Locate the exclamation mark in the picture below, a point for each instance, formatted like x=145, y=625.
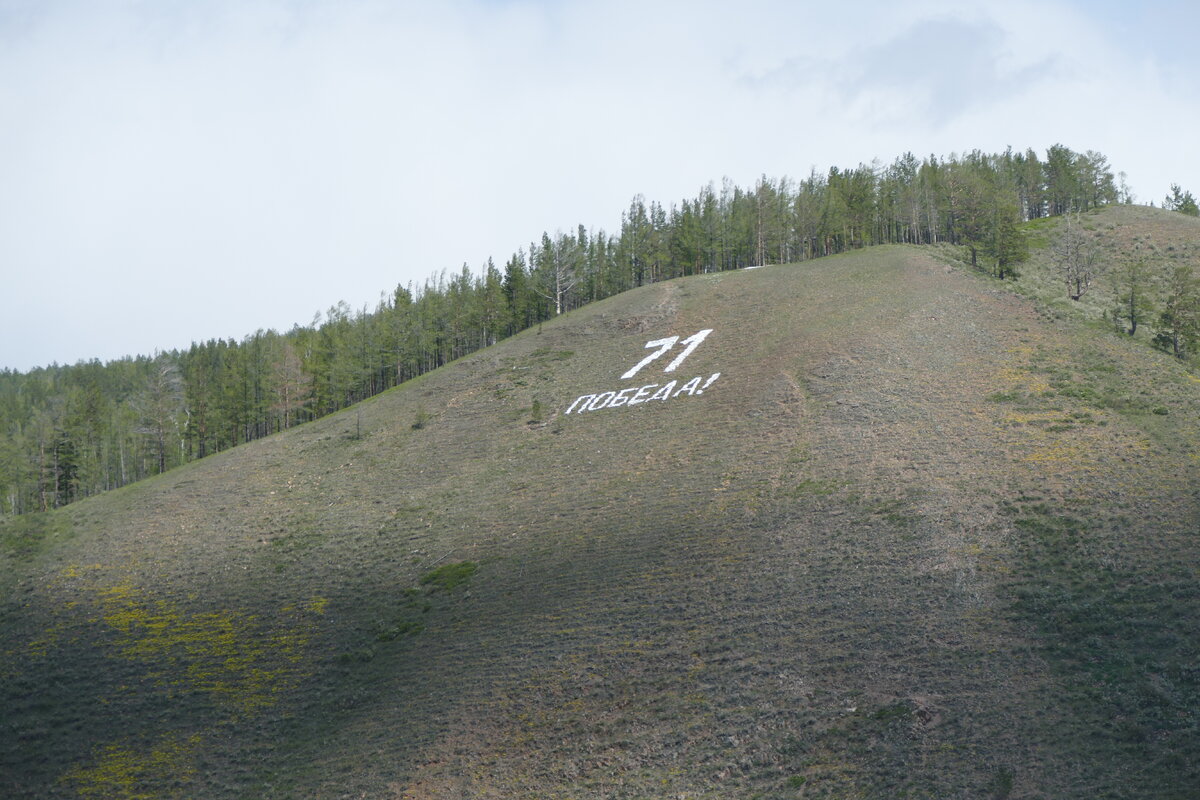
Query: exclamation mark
x=708, y=382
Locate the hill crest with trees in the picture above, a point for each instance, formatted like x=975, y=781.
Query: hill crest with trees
x=68, y=432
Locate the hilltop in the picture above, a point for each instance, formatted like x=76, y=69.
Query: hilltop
x=921, y=536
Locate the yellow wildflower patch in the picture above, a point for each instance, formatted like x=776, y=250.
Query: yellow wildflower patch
x=1062, y=453
x=120, y=772
x=230, y=654
x=1014, y=378
x=244, y=661
x=317, y=605
x=40, y=647
x=1030, y=417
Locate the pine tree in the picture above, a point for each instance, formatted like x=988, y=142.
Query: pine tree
x=1005, y=243
x=1132, y=290
x=1181, y=201
x=292, y=386
x=1178, y=330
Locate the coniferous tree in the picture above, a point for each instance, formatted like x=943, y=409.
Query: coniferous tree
x=636, y=241
x=522, y=313
x=808, y=212
x=493, y=310
x=1178, y=330
x=1131, y=284
x=1028, y=175
x=1005, y=243
x=1062, y=180
x=972, y=197
x=1181, y=201
x=292, y=386
x=1097, y=187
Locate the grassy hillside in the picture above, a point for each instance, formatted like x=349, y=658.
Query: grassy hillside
x=1162, y=238
x=920, y=538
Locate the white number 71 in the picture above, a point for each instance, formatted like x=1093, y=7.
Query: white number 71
x=664, y=345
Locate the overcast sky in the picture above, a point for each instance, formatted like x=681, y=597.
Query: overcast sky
x=179, y=170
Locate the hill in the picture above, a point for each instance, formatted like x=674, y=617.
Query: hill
x=920, y=537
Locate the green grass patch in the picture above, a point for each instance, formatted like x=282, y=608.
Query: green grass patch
x=297, y=541
x=1120, y=640
x=548, y=354
x=27, y=535
x=449, y=576
x=897, y=712
x=399, y=629
x=1076, y=391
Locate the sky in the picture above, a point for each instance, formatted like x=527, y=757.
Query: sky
x=175, y=171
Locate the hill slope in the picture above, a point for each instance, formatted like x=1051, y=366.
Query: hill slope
x=917, y=537
x=1163, y=239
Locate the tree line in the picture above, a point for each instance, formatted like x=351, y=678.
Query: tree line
x=68, y=432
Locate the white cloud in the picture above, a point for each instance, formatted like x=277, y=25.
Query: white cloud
x=179, y=171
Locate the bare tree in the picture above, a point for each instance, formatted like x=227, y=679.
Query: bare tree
x=556, y=265
x=159, y=405
x=1077, y=257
